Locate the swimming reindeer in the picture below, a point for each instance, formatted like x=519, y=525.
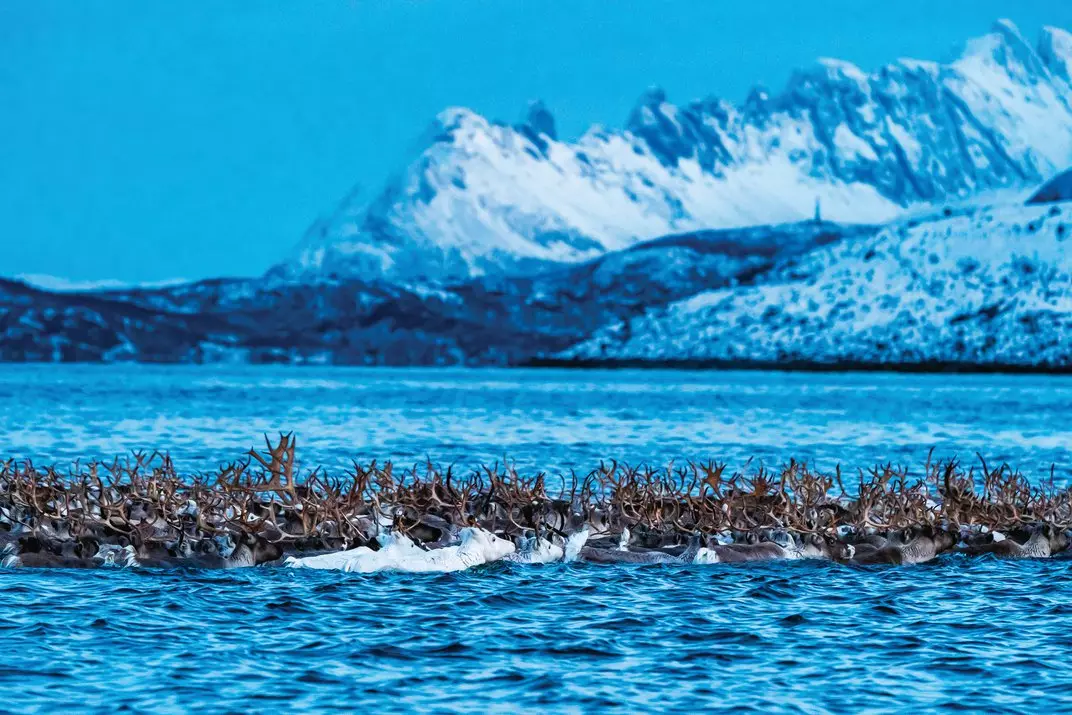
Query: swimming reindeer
x=260, y=511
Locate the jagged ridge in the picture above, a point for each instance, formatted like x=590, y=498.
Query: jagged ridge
x=487, y=198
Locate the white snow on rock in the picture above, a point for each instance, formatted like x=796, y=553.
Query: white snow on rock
x=58, y=284
x=1055, y=49
x=486, y=198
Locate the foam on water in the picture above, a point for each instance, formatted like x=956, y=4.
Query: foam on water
x=537, y=550
x=399, y=553
x=574, y=544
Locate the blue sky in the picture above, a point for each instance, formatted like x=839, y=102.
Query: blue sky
x=145, y=141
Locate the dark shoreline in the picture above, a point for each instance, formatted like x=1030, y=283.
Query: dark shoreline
x=936, y=367
x=929, y=367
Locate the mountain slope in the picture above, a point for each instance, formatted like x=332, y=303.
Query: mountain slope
x=485, y=198
x=970, y=287
x=1057, y=189
x=502, y=321
x=983, y=286
x=42, y=326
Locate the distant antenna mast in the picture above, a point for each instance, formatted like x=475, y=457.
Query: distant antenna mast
x=818, y=212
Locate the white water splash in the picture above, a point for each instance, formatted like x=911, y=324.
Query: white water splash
x=400, y=554
x=574, y=544
x=535, y=550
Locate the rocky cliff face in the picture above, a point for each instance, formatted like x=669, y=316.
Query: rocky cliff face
x=486, y=198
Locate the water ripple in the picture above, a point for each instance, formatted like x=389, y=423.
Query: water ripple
x=547, y=419
x=958, y=634
x=769, y=637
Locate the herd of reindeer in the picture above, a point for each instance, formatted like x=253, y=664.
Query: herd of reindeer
x=262, y=511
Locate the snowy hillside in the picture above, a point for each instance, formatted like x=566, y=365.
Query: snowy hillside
x=485, y=198
x=501, y=321
x=972, y=287
x=985, y=286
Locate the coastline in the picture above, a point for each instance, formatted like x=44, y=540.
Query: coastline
x=922, y=367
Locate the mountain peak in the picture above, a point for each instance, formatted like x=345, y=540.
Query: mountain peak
x=1012, y=39
x=653, y=96
x=1055, y=49
x=1006, y=27
x=1005, y=47
x=539, y=118
x=452, y=122
x=838, y=69
x=487, y=198
x=654, y=120
x=757, y=103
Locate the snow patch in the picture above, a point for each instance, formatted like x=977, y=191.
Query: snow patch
x=57, y=284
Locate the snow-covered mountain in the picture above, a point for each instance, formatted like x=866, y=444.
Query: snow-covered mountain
x=967, y=287
x=688, y=236
x=485, y=198
x=502, y=320
x=986, y=286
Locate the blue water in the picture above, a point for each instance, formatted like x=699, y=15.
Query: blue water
x=548, y=419
x=794, y=637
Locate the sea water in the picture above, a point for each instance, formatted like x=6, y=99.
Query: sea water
x=957, y=633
